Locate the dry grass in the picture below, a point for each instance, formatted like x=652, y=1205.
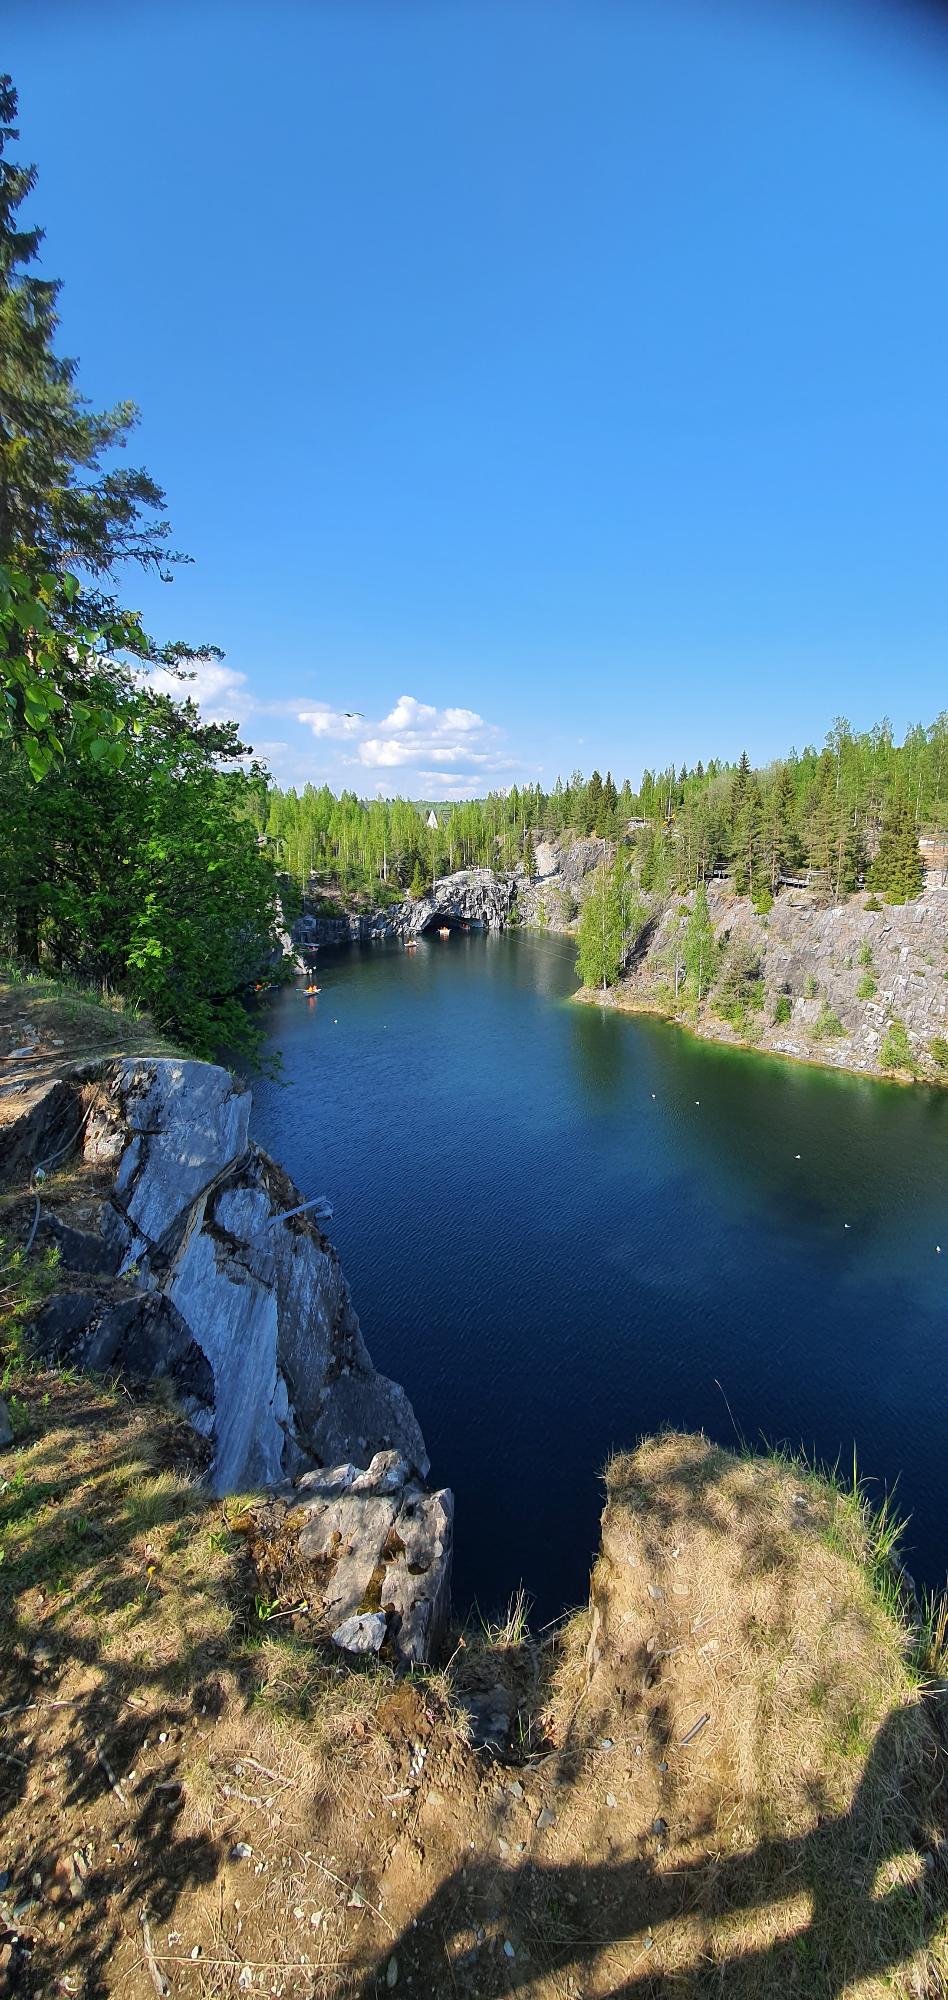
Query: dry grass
x=794, y=1846
x=804, y=1824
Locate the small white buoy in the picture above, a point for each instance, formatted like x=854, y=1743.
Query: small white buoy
x=938, y=1249
x=697, y=1100
x=845, y=1225
x=796, y=1156
x=653, y=1097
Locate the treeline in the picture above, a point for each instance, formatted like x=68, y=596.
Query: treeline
x=129, y=849
x=856, y=806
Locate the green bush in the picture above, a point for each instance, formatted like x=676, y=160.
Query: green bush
x=865, y=952
x=763, y=903
x=896, y=1051
x=828, y=1023
x=866, y=987
x=783, y=1009
x=873, y=903
x=938, y=1050
x=810, y=987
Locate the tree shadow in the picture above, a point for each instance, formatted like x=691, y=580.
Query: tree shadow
x=568, y=1919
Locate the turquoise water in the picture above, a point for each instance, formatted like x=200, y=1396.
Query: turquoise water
x=564, y=1228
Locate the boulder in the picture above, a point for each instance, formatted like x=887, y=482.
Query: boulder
x=372, y=1542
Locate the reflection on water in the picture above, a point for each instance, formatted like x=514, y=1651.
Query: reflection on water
x=562, y=1227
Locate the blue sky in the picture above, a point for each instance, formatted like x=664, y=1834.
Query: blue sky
x=554, y=384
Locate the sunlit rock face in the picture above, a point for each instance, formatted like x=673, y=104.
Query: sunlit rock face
x=198, y=1272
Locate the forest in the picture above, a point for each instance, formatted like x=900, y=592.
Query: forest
x=829, y=815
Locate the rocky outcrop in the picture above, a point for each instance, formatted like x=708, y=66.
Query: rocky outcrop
x=842, y=974
x=552, y=900
x=472, y=896
x=202, y=1274
x=373, y=1554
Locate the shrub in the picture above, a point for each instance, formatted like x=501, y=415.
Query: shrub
x=866, y=987
x=828, y=1023
x=896, y=1051
x=865, y=952
x=873, y=903
x=763, y=903
x=810, y=987
x=783, y=1009
x=938, y=1050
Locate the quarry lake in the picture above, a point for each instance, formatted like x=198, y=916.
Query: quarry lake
x=563, y=1228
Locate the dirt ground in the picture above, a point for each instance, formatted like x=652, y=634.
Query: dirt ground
x=727, y=1781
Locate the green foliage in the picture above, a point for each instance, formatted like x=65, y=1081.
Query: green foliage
x=763, y=902
x=872, y=903
x=611, y=914
x=938, y=1050
x=783, y=1009
x=827, y=1024
x=866, y=987
x=699, y=947
x=896, y=1051
x=897, y=868
x=810, y=987
x=418, y=887
x=865, y=953
x=741, y=989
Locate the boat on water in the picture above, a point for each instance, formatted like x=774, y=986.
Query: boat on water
x=445, y=932
x=310, y=989
x=411, y=944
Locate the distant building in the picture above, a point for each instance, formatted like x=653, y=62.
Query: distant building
x=432, y=820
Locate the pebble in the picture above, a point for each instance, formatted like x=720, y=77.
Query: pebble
x=515, y=1789
x=391, y=1972
x=547, y=1818
x=606, y=1743
x=509, y=1951
x=659, y=1827
x=503, y=1848
x=611, y=1799
x=655, y=1591
x=240, y=1851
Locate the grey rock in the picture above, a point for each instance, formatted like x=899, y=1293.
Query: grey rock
x=363, y=1634
x=80, y=1250
x=250, y=1316
x=488, y=1718
x=143, y=1337
x=378, y=1531
x=47, y=1118
x=6, y=1428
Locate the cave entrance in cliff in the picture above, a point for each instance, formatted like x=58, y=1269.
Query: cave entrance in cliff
x=448, y=920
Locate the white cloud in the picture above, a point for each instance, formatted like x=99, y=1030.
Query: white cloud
x=451, y=748
x=326, y=721
x=408, y=713
x=219, y=691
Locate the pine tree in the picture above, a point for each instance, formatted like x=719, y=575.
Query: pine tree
x=740, y=785
x=897, y=868
x=749, y=871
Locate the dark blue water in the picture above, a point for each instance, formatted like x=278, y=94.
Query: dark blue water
x=554, y=1261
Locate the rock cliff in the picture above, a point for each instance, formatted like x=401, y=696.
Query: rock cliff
x=192, y=1263
x=835, y=977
